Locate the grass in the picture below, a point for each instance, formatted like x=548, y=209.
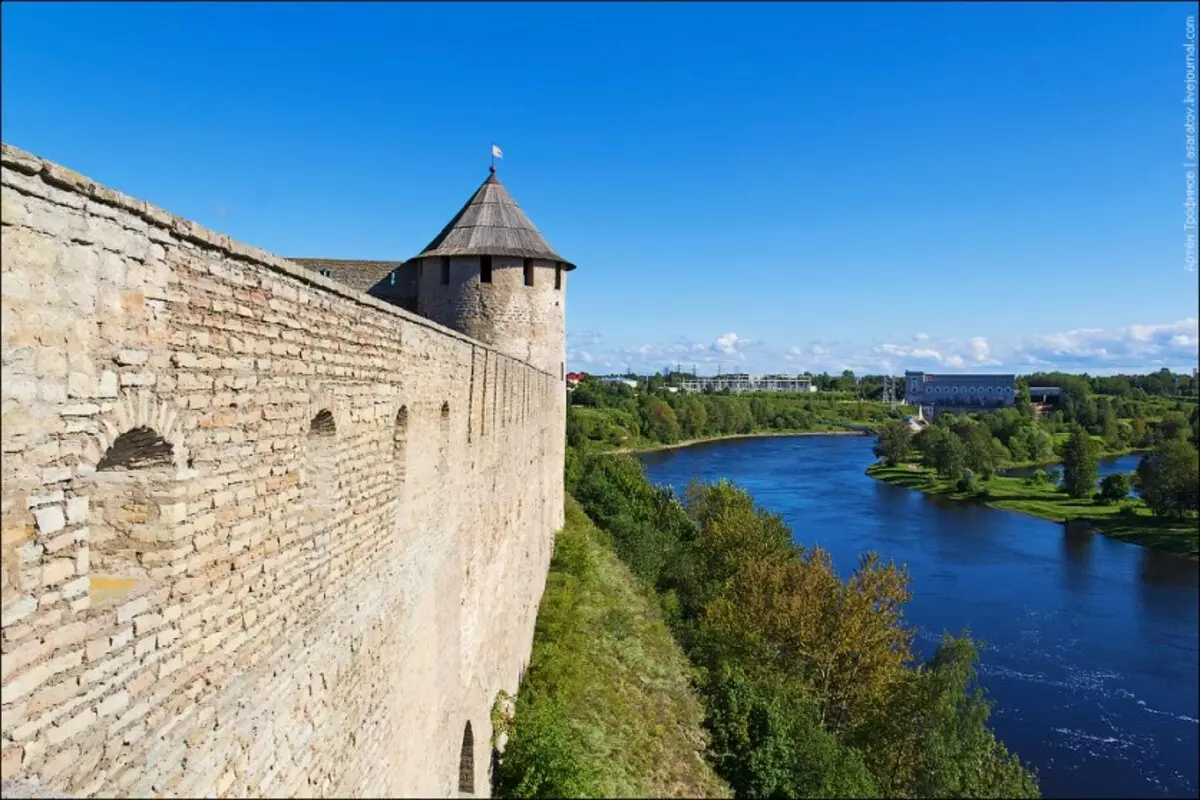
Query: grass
x=619, y=685
x=1130, y=522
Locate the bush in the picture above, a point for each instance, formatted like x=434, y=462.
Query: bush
x=968, y=483
x=545, y=757
x=1038, y=478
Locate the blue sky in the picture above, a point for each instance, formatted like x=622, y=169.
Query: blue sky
x=752, y=186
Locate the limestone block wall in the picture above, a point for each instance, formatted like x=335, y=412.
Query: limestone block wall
x=262, y=535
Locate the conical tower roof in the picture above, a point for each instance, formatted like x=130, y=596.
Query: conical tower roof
x=492, y=224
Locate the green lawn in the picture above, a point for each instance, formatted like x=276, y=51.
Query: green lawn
x=1136, y=525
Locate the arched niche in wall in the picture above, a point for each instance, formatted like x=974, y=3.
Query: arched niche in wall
x=321, y=493
x=132, y=511
x=444, y=438
x=321, y=473
x=466, y=762
x=133, y=501
x=400, y=444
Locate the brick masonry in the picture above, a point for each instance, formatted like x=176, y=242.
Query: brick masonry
x=262, y=535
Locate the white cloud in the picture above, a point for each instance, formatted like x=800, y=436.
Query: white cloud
x=727, y=343
x=1129, y=347
x=1140, y=347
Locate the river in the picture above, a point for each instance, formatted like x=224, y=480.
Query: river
x=1092, y=652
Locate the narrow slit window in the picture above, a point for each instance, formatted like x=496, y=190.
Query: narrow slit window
x=445, y=270
x=392, y=277
x=558, y=276
x=466, y=763
x=529, y=272
x=485, y=269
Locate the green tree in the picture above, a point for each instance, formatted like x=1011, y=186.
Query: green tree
x=956, y=755
x=1114, y=488
x=983, y=452
x=950, y=456
x=842, y=640
x=895, y=437
x=1024, y=402
x=661, y=423
x=1140, y=432
x=1031, y=443
x=767, y=741
x=1169, y=479
x=1107, y=423
x=1080, y=461
x=692, y=416
x=1173, y=425
x=576, y=434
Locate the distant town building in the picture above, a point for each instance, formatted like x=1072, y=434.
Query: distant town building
x=945, y=391
x=1045, y=398
x=617, y=379
x=744, y=382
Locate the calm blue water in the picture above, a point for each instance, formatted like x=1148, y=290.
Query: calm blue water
x=1092, y=646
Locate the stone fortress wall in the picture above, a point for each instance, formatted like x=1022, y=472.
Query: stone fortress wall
x=262, y=535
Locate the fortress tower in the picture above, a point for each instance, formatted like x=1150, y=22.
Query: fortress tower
x=491, y=275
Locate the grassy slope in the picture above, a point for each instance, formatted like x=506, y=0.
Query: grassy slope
x=602, y=649
x=1047, y=502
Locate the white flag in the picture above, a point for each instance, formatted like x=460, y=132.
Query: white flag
x=497, y=152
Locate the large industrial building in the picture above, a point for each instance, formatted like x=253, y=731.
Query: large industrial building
x=953, y=392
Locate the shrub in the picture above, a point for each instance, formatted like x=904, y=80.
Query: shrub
x=968, y=483
x=545, y=758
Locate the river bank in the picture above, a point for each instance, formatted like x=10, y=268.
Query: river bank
x=1091, y=652
x=1129, y=522
x=653, y=448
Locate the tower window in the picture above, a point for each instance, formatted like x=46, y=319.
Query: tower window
x=392, y=277
x=558, y=276
x=445, y=270
x=485, y=269
x=529, y=272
